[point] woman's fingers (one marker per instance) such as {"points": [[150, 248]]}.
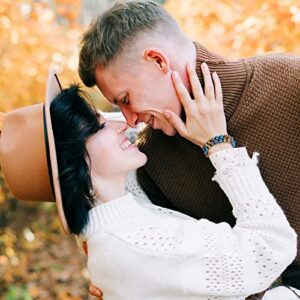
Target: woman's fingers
{"points": [[195, 83], [218, 88], [176, 122], [182, 93], [205, 115], [208, 84]]}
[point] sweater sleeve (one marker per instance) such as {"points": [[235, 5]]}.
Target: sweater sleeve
{"points": [[187, 258], [220, 260]]}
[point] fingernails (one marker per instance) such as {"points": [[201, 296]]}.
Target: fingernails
{"points": [[175, 75], [204, 65], [215, 75]]}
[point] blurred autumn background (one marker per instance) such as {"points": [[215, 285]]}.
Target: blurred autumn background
{"points": [[36, 260]]}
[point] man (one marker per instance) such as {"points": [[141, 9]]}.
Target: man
{"points": [[130, 53]]}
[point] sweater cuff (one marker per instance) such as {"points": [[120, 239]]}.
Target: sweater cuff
{"points": [[230, 158]]}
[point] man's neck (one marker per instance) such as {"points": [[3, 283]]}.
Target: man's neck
{"points": [[184, 54], [232, 73]]}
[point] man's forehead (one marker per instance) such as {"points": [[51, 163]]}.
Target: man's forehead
{"points": [[108, 85]]}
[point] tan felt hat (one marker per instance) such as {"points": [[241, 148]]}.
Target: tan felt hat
{"points": [[27, 151]]}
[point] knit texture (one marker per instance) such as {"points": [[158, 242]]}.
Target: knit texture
{"points": [[262, 107], [134, 246]]}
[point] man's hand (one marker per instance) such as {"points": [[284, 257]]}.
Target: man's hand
{"points": [[94, 291]]}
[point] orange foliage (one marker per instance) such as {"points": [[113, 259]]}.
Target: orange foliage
{"points": [[241, 28], [33, 36], [36, 261]]}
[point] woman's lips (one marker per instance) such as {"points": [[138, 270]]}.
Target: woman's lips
{"points": [[151, 120], [125, 144]]}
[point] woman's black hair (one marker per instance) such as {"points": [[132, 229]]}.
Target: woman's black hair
{"points": [[74, 120]]}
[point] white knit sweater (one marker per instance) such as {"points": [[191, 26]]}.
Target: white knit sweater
{"points": [[139, 251]]}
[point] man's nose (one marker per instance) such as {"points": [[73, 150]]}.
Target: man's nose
{"points": [[130, 116]]}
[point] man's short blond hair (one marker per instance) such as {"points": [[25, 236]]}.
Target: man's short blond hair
{"points": [[117, 29]]}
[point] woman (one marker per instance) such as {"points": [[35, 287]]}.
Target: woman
{"points": [[137, 250]]}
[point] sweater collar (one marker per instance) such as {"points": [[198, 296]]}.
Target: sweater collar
{"points": [[232, 73], [108, 213]]}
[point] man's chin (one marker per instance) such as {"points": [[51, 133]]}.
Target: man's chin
{"points": [[166, 129], [169, 131]]}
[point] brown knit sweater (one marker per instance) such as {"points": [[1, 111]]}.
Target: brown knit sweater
{"points": [[262, 106]]}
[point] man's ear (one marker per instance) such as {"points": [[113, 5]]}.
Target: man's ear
{"points": [[158, 57]]}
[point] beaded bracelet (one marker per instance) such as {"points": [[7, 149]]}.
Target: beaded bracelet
{"points": [[219, 139]]}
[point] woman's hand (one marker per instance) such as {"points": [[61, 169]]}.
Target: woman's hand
{"points": [[205, 116]]}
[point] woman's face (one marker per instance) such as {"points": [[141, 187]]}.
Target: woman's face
{"points": [[111, 153]]}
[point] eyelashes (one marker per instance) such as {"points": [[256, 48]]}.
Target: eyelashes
{"points": [[102, 125], [125, 100]]}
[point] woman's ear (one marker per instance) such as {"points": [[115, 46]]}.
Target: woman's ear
{"points": [[158, 57]]}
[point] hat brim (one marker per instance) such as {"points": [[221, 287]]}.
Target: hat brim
{"points": [[52, 90]]}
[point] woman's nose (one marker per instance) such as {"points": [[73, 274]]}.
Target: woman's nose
{"points": [[119, 126], [123, 127]]}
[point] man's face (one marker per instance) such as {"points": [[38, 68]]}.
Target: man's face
{"points": [[142, 92]]}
